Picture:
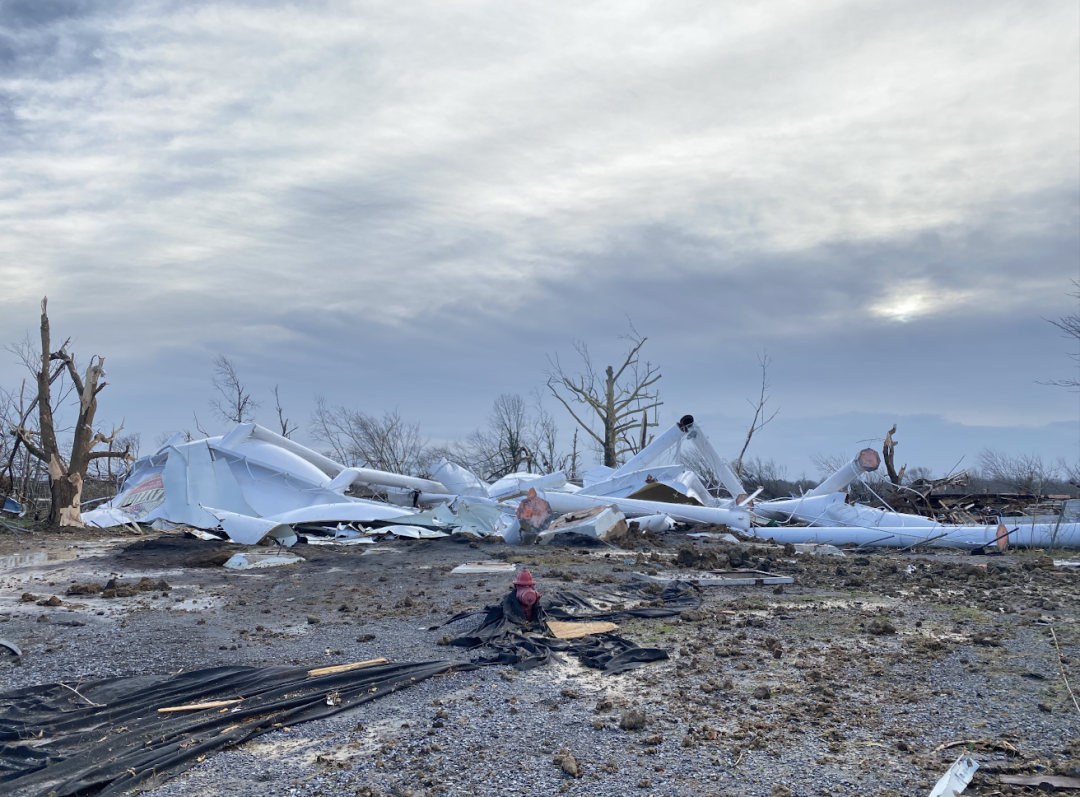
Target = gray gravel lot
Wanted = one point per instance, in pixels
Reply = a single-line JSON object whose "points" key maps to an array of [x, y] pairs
{"points": [[842, 683]]}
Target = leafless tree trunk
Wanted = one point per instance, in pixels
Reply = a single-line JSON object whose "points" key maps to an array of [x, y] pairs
{"points": [[232, 402], [888, 453], [614, 402], [287, 426], [760, 410], [66, 478], [573, 459]]}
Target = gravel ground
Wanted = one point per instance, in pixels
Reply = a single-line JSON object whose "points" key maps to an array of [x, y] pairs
{"points": [[843, 683]]}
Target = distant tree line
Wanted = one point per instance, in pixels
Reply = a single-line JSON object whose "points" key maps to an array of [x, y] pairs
{"points": [[52, 453]]}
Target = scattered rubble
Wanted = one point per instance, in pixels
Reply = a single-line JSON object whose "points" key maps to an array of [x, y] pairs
{"points": [[806, 651]]}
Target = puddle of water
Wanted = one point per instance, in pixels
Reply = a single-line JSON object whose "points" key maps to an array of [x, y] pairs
{"points": [[23, 560], [37, 558], [193, 604]]}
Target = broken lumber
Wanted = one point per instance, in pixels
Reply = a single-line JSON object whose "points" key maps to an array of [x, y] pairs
{"points": [[566, 630], [345, 667], [199, 706]]}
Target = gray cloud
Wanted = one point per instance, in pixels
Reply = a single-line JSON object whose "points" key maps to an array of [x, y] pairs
{"points": [[412, 207]]}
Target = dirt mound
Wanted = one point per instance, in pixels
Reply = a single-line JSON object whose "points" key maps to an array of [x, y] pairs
{"points": [[722, 558], [166, 552], [634, 539], [117, 589]]}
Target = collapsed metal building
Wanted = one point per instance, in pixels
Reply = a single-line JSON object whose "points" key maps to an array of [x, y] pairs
{"points": [[253, 483]]}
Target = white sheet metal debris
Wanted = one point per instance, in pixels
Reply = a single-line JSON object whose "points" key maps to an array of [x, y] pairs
{"points": [[257, 561], [486, 567], [713, 535], [601, 523], [817, 549], [657, 523], [313, 540], [205, 536], [736, 518], [11, 647], [720, 578], [967, 537], [250, 471], [254, 484], [248, 530], [956, 778]]}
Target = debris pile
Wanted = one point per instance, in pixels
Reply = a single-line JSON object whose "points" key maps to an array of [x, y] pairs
{"points": [[526, 633], [254, 486]]}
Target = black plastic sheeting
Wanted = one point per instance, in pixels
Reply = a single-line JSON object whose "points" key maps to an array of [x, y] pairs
{"points": [[106, 737], [517, 642], [56, 742]]}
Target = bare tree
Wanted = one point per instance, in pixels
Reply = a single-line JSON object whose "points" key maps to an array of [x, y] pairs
{"points": [[167, 435], [545, 434], [103, 468], [766, 473], [232, 402], [827, 464], [287, 426], [66, 476], [1024, 473], [516, 436], [7, 446], [760, 409], [357, 439], [572, 462], [1070, 325], [504, 444], [618, 399], [198, 427]]}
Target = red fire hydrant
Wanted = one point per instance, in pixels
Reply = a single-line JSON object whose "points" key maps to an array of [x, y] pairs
{"points": [[526, 595]]}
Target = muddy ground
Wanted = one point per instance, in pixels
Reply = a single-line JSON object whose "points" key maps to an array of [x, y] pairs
{"points": [[846, 682]]}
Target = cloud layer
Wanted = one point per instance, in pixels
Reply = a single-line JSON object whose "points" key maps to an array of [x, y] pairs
{"points": [[412, 206]]}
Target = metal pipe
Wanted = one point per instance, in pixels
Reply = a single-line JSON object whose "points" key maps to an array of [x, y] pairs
{"points": [[867, 461], [735, 518]]}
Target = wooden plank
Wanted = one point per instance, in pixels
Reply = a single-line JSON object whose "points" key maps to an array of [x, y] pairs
{"points": [[345, 667], [199, 706], [1053, 781], [563, 630]]}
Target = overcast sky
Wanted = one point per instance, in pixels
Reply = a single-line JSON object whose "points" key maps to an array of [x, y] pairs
{"points": [[411, 205]]}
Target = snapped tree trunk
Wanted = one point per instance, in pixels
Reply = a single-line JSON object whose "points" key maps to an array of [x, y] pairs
{"points": [[609, 421], [66, 492], [614, 403], [66, 478], [888, 452]]}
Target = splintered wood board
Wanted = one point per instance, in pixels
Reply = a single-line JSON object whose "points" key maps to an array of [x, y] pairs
{"points": [[563, 630]]}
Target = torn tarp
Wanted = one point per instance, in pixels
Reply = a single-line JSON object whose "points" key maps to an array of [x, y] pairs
{"points": [[507, 637]]}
